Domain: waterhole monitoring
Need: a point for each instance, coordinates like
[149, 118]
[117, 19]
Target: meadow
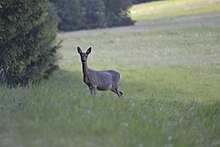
[171, 82]
[173, 8]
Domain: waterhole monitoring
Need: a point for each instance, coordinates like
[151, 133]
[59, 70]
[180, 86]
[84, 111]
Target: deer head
[83, 55]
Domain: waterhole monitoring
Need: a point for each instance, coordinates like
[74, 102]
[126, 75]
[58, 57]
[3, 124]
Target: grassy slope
[172, 8]
[171, 79]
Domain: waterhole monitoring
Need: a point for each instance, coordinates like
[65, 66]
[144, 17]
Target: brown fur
[99, 80]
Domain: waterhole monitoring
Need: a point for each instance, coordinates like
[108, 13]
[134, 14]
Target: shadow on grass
[68, 82]
[72, 82]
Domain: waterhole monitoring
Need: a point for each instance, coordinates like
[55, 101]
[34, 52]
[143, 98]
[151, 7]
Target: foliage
[68, 13]
[117, 13]
[27, 50]
[89, 14]
[142, 1]
[93, 14]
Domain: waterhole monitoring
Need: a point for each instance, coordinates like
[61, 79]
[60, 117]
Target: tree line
[142, 1]
[90, 14]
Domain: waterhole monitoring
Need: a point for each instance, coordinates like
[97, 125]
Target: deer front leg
[92, 91]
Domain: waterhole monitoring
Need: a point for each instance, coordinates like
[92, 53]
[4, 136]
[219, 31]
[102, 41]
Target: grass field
[171, 82]
[173, 8]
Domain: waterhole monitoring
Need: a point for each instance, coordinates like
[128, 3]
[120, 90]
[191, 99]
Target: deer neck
[85, 69]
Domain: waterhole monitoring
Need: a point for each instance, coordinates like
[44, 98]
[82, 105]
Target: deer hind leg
[115, 89]
[121, 93]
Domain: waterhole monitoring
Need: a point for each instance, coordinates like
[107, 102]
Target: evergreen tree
[27, 41]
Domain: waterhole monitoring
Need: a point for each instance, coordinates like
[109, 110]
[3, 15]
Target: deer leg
[115, 90]
[92, 91]
[121, 93]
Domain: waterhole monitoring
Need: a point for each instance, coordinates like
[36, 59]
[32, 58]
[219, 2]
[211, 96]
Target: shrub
[89, 14]
[68, 13]
[27, 42]
[93, 14]
[142, 1]
[117, 13]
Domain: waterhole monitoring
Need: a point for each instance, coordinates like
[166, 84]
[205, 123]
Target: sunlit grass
[172, 8]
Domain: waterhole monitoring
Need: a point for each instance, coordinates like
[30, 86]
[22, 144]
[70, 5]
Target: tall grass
[171, 79]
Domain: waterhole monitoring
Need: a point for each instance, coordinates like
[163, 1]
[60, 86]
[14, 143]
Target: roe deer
[99, 80]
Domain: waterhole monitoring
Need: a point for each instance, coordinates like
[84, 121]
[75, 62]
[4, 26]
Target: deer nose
[83, 60]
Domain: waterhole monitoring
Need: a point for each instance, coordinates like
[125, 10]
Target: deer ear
[79, 50]
[88, 50]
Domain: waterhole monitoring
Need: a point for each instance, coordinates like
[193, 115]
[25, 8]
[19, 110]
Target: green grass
[171, 79]
[173, 8]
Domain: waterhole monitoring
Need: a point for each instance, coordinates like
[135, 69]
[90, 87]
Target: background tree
[142, 1]
[27, 41]
[90, 14]
[117, 13]
[68, 13]
[93, 14]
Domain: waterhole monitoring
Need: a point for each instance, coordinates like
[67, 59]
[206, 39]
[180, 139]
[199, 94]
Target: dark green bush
[117, 13]
[68, 13]
[93, 14]
[142, 1]
[27, 41]
[89, 14]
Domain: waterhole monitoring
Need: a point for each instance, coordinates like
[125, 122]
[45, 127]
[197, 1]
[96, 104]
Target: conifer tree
[27, 41]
